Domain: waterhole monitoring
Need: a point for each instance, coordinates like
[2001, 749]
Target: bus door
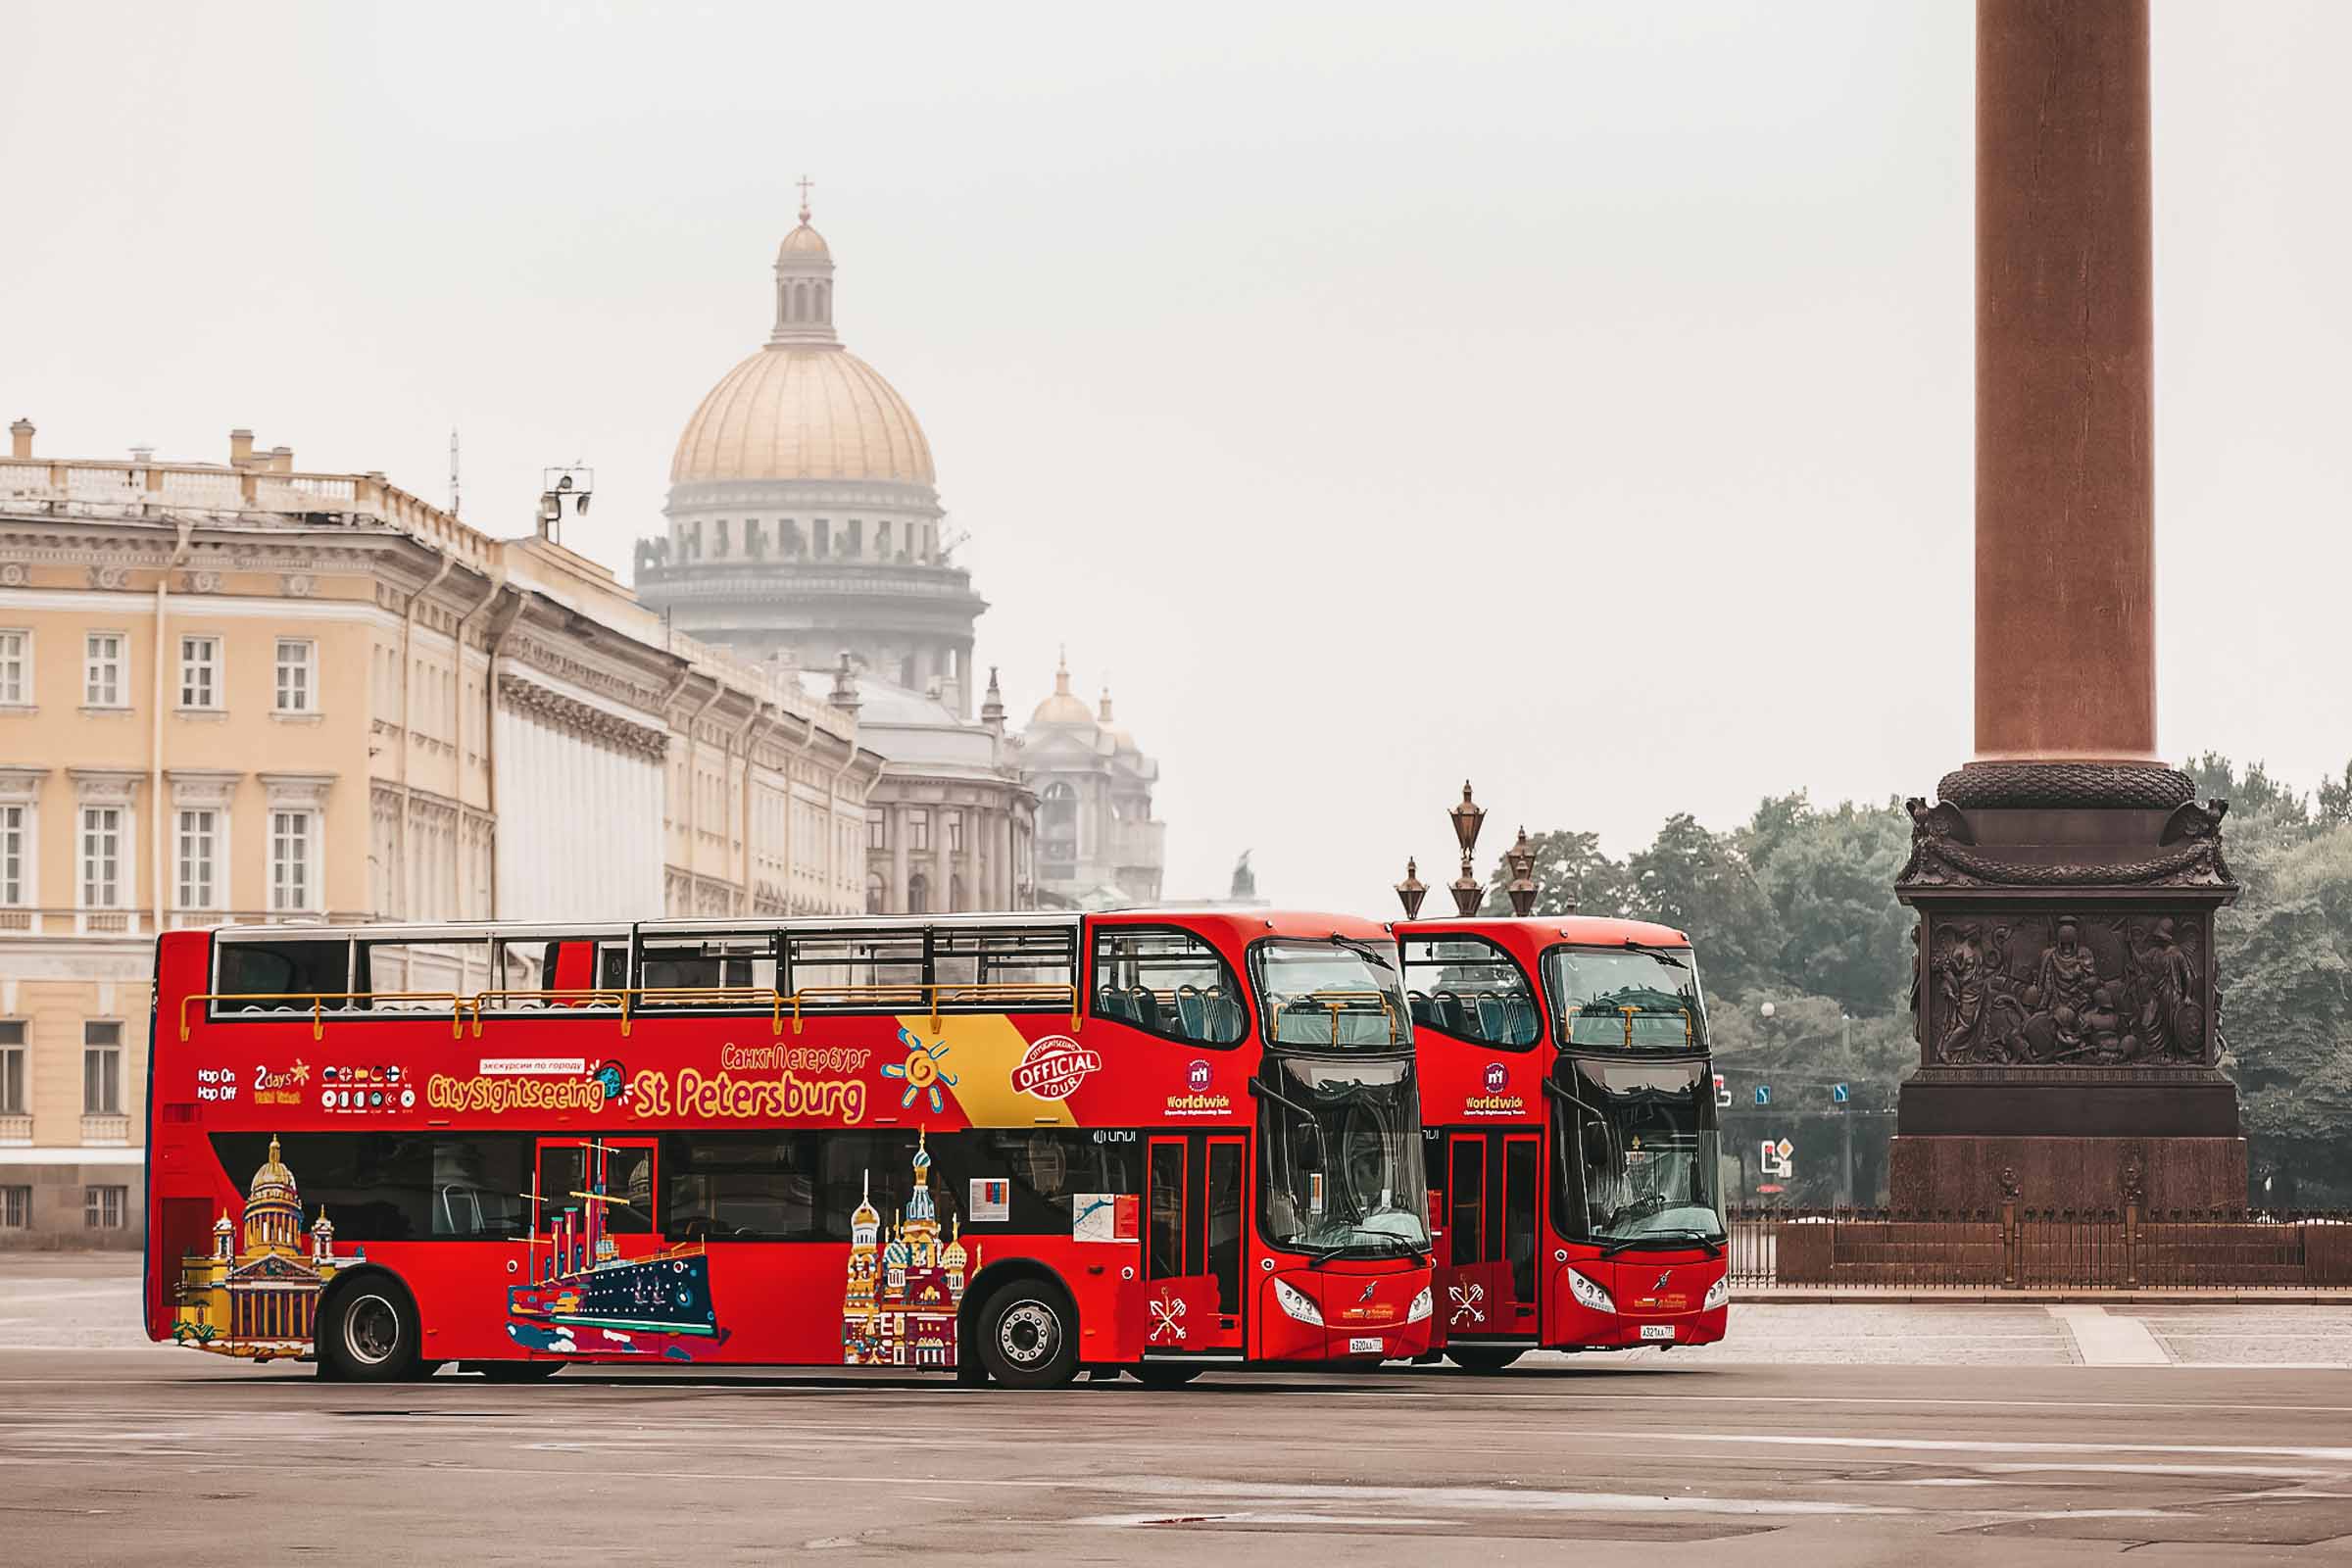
[594, 1202]
[1486, 1281]
[1193, 1245]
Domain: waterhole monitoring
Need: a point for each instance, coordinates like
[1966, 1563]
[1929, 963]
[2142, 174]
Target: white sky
[1575, 397]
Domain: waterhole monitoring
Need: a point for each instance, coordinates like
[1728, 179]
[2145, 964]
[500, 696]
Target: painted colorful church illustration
[259, 1299]
[899, 1308]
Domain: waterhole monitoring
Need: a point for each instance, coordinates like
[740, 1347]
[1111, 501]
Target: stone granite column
[2066, 880]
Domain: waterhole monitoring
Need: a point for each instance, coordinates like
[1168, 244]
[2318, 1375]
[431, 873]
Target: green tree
[2286, 968]
[1699, 883]
[1837, 929]
[1571, 874]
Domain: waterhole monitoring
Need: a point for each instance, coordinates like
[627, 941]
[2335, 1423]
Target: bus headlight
[1422, 1306]
[1719, 1294]
[1297, 1303]
[1589, 1294]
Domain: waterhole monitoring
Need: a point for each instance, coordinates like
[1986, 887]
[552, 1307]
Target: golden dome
[272, 1179]
[804, 241]
[1062, 707]
[803, 413]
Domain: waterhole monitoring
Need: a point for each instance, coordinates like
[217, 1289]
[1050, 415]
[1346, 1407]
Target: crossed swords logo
[1469, 1303]
[1167, 1313]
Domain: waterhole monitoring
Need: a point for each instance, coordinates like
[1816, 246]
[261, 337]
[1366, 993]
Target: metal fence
[2013, 1248]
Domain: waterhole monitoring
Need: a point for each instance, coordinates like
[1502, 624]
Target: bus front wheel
[1029, 1336]
[370, 1334]
[1481, 1357]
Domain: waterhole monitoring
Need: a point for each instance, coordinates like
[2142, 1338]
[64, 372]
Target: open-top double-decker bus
[1571, 1136]
[1006, 1146]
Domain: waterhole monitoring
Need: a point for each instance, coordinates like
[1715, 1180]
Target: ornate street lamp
[1468, 818]
[1521, 859]
[1413, 890]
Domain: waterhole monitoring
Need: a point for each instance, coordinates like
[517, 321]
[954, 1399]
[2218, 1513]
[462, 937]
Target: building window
[101, 856]
[199, 854]
[852, 543]
[102, 1207]
[295, 675]
[877, 895]
[882, 539]
[956, 833]
[919, 834]
[918, 894]
[101, 1068]
[877, 828]
[292, 857]
[200, 672]
[720, 548]
[11, 1067]
[15, 839]
[16, 667]
[102, 670]
[16, 1208]
[822, 531]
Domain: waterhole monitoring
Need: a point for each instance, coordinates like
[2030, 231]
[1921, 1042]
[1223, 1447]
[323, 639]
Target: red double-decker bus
[1572, 1148]
[1004, 1145]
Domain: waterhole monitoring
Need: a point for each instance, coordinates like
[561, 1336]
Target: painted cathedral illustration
[899, 1308]
[259, 1299]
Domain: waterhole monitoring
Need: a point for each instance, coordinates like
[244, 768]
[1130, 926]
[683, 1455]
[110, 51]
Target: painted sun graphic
[921, 1071]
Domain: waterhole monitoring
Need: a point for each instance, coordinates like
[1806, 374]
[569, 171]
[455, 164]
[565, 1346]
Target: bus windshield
[1342, 1162]
[1335, 993]
[1627, 998]
[1638, 1154]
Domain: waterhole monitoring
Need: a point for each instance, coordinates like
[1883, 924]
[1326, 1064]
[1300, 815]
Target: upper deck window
[1625, 998]
[1169, 983]
[834, 968]
[280, 972]
[706, 968]
[988, 958]
[1469, 988]
[1338, 992]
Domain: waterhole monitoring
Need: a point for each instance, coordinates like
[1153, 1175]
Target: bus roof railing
[632, 1001]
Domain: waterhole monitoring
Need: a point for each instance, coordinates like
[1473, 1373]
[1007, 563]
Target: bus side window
[281, 975]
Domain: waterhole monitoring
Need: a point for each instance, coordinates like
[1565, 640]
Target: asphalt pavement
[1819, 1435]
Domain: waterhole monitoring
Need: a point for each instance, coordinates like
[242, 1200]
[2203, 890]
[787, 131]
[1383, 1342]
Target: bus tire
[1165, 1374]
[1483, 1357]
[369, 1333]
[1029, 1336]
[519, 1371]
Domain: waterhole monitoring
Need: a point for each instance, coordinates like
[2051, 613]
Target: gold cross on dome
[805, 182]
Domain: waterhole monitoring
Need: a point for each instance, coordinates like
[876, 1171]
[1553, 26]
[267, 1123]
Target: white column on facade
[975, 893]
[898, 869]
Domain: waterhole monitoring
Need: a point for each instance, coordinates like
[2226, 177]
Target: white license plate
[1364, 1344]
[1657, 1331]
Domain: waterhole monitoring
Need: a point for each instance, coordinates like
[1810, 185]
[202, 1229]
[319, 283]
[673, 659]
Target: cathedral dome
[803, 411]
[1064, 707]
[804, 241]
[803, 406]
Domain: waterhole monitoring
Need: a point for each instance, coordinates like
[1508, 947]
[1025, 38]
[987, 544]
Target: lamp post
[575, 485]
[1521, 859]
[1467, 817]
[1413, 890]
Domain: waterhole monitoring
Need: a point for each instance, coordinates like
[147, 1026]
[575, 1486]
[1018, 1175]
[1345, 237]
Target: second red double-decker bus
[1007, 1146]
[1572, 1150]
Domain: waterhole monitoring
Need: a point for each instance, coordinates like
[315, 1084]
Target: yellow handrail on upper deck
[319, 999]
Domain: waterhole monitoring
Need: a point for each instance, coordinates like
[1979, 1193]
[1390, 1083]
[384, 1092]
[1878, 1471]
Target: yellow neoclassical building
[236, 692]
[258, 1300]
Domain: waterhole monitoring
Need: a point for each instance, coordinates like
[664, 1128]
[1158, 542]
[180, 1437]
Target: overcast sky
[1575, 397]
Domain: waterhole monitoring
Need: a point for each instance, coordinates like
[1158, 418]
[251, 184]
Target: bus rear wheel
[370, 1333]
[1165, 1374]
[518, 1371]
[1029, 1336]
[1483, 1357]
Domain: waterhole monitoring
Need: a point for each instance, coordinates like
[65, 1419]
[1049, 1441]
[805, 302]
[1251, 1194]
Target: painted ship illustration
[585, 1300]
